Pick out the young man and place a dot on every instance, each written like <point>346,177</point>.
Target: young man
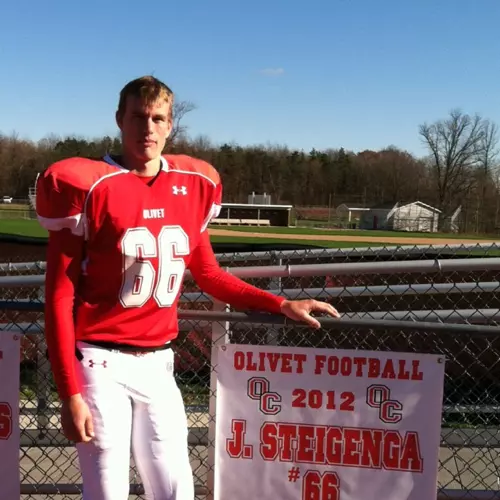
<point>122,233</point>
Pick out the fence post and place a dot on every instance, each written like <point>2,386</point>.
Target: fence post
<point>275,283</point>
<point>43,374</point>
<point>220,336</point>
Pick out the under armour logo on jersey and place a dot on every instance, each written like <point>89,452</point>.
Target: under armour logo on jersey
<point>92,363</point>
<point>181,190</point>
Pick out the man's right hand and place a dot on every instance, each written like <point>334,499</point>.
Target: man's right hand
<point>76,420</point>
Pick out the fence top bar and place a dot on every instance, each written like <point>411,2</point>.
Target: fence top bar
<point>357,251</point>
<point>302,253</point>
<point>360,268</point>
<point>304,270</point>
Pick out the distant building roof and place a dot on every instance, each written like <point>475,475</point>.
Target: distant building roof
<point>391,205</point>
<point>352,206</point>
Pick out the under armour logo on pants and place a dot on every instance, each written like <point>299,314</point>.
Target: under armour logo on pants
<point>92,363</point>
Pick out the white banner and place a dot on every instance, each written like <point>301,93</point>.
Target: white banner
<point>10,358</point>
<point>321,424</point>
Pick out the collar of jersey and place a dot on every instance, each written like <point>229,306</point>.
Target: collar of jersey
<point>107,158</point>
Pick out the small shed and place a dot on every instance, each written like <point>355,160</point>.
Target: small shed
<point>350,212</point>
<point>254,215</point>
<point>414,216</point>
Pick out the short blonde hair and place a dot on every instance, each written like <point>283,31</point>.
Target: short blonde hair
<point>148,88</point>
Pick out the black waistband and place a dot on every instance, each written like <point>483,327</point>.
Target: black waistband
<point>119,347</point>
<point>127,347</point>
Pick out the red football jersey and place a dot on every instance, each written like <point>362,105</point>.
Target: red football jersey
<point>138,240</point>
<point>118,250</point>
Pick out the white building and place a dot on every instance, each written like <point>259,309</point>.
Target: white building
<point>415,217</point>
<point>350,212</point>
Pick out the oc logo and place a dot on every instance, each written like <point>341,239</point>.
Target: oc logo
<point>258,389</point>
<point>389,410</point>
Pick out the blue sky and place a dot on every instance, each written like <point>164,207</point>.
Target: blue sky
<point>358,74</point>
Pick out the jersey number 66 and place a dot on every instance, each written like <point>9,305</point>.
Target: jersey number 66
<point>140,278</point>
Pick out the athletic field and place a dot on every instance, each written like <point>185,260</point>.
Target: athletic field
<point>320,237</point>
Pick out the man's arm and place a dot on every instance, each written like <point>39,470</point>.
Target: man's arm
<point>60,199</point>
<point>64,256</point>
<point>223,286</point>
<point>231,290</point>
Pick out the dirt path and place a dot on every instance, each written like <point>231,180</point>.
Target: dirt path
<point>334,237</point>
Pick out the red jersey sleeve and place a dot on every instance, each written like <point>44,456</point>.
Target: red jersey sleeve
<point>61,192</point>
<point>223,286</point>
<point>64,256</point>
<point>214,207</point>
<point>215,200</point>
<point>210,277</point>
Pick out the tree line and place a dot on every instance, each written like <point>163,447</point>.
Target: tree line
<point>460,170</point>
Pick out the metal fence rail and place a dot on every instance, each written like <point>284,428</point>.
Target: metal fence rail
<point>360,254</point>
<point>449,307</point>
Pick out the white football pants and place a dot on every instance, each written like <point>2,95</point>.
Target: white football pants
<point>136,405</point>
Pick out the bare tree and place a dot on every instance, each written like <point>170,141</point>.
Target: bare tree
<point>455,144</point>
<point>181,109</point>
<point>487,192</point>
<point>488,150</point>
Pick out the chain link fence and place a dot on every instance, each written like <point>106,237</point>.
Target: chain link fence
<point>439,300</point>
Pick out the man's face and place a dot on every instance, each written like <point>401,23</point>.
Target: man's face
<point>145,128</point>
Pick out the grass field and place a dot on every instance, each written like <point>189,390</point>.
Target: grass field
<point>324,244</point>
<point>32,228</point>
<point>22,228</point>
<point>310,236</point>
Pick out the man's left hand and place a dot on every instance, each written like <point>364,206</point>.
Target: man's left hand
<point>300,310</point>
